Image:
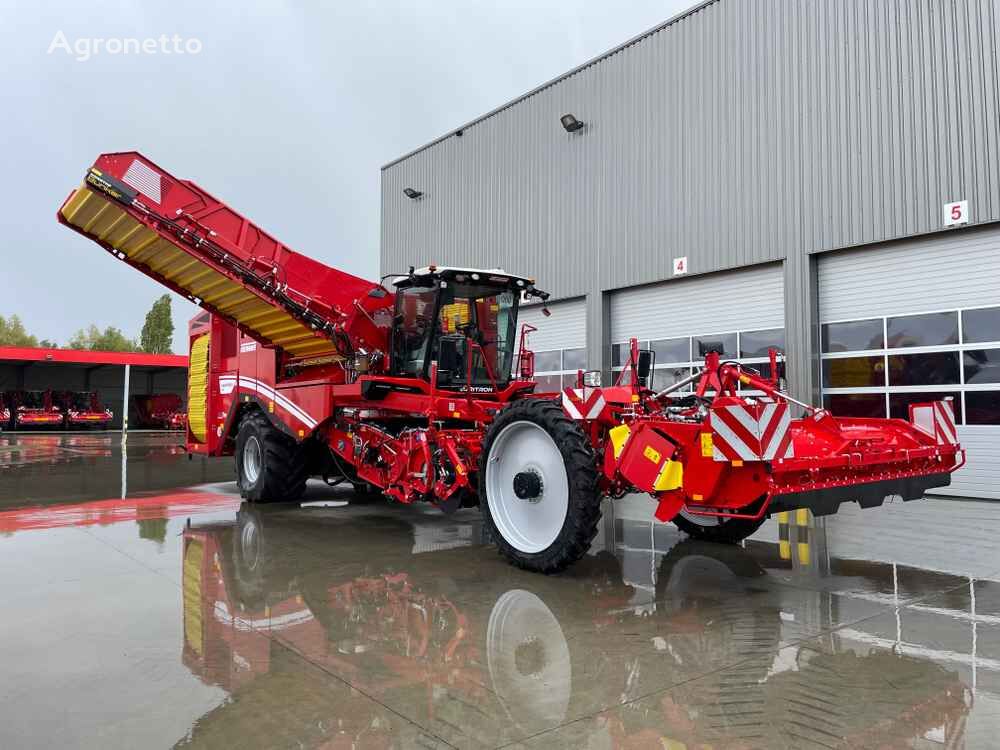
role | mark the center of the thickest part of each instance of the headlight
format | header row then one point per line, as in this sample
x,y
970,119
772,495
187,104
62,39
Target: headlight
x,y
592,378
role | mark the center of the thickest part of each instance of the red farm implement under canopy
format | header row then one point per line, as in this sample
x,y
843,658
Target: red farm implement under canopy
x,y
301,370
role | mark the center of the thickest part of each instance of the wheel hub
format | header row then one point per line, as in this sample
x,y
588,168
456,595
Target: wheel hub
x,y
528,485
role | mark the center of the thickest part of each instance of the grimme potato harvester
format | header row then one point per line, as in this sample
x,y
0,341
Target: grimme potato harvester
x,y
422,390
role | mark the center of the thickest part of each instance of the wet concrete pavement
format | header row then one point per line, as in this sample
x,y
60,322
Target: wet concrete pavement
x,y
179,617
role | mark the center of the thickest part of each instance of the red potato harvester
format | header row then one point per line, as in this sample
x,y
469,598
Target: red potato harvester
x,y
34,409
300,370
83,409
163,410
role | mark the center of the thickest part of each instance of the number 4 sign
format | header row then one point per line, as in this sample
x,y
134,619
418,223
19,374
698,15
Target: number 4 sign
x,y
680,266
956,213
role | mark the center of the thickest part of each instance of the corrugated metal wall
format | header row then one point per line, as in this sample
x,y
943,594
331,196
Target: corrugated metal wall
x,y
735,300
746,131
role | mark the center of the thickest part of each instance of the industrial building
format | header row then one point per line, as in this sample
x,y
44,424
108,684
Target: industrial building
x,y
823,177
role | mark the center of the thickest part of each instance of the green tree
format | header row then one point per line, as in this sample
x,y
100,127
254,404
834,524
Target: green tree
x,y
158,330
12,333
109,340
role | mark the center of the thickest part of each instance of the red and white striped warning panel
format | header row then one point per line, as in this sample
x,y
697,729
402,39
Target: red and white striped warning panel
x,y
937,419
583,403
751,431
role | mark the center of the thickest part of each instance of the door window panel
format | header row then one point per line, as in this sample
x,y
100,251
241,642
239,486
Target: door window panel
x,y
671,350
574,359
981,325
664,376
933,368
855,404
982,366
856,335
854,372
933,329
758,343
548,361
982,407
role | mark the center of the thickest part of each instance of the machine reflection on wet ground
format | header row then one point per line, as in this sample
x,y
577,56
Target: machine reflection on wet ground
x,y
187,619
43,468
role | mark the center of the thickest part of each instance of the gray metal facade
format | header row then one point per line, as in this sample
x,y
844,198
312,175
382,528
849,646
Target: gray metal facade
x,y
739,133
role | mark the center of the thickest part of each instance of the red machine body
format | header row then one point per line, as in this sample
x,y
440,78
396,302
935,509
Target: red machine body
x,y
737,455
34,409
306,345
160,410
83,409
303,370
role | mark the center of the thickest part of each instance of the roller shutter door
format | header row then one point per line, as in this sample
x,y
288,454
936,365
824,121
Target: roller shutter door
x,y
743,312
559,343
919,318
565,328
751,298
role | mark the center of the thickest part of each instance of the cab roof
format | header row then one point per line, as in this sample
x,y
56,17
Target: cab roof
x,y
449,273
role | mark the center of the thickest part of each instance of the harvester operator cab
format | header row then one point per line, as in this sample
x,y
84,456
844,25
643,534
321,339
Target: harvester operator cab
x,y
464,320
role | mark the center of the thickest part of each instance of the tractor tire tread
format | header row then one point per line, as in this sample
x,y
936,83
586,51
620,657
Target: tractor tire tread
x,y
285,462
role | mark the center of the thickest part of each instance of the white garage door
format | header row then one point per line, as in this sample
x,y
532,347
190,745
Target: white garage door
x,y
560,343
742,312
916,320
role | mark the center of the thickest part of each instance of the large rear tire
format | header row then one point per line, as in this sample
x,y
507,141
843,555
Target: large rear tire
x,y
270,466
715,528
538,486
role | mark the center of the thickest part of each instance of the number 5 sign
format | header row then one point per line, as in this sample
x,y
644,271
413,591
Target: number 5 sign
x,y
956,213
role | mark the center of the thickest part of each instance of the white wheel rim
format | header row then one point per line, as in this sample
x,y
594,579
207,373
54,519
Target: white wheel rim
x,y
250,545
528,661
252,459
528,524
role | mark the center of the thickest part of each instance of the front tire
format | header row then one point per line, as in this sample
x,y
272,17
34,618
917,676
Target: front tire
x,y
538,486
270,466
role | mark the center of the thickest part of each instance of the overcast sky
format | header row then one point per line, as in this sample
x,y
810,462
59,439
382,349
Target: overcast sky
x,y
287,114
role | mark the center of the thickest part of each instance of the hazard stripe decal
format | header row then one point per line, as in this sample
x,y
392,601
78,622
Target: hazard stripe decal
x,y
583,403
751,431
945,422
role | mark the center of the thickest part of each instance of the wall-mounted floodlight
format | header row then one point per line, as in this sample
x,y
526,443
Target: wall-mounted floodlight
x,y
570,123
411,193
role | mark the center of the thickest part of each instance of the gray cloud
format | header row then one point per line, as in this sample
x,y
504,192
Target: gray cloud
x,y
287,113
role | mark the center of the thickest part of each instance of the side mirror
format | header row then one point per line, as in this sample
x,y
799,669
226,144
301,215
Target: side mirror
x,y
644,366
